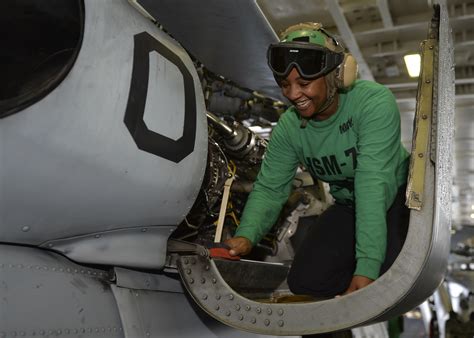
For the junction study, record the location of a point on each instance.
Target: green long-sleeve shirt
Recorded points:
(357, 151)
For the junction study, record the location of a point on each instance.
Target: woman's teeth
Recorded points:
(303, 104)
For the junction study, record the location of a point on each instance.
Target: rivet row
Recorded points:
(58, 331)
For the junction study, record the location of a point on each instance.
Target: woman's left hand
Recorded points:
(358, 282)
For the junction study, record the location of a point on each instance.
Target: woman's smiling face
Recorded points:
(307, 95)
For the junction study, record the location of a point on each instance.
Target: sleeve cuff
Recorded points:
(368, 267)
(249, 234)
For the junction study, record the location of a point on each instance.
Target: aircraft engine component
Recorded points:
(239, 141)
(97, 153)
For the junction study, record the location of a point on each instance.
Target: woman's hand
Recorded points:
(239, 246)
(358, 282)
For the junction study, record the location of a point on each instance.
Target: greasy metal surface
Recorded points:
(70, 167)
(43, 294)
(415, 274)
(134, 247)
(241, 276)
(422, 128)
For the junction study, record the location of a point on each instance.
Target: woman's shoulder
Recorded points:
(370, 94)
(369, 87)
(289, 118)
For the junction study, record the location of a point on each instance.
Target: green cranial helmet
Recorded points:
(310, 32)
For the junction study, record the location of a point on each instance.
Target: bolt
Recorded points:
(207, 267)
(97, 236)
(431, 47)
(217, 308)
(280, 312)
(186, 261)
(241, 317)
(227, 313)
(204, 296)
(188, 271)
(218, 296)
(144, 230)
(25, 228)
(231, 297)
(237, 307)
(214, 281)
(191, 281)
(247, 307)
(267, 322)
(253, 320)
(259, 310)
(420, 155)
(269, 311)
(428, 81)
(281, 323)
(203, 280)
(424, 116)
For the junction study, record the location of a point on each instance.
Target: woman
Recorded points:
(347, 133)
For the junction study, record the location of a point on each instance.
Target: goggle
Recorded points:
(311, 60)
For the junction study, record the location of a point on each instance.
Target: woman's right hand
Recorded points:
(239, 246)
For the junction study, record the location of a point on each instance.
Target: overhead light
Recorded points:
(472, 215)
(413, 61)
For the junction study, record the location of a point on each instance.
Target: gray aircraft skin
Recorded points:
(103, 159)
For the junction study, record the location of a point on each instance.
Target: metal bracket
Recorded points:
(422, 129)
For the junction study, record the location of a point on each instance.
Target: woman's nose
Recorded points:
(293, 92)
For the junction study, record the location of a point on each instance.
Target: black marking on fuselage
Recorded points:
(148, 140)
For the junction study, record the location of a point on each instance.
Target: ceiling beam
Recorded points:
(349, 39)
(385, 13)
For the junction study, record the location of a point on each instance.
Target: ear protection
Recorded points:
(346, 73)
